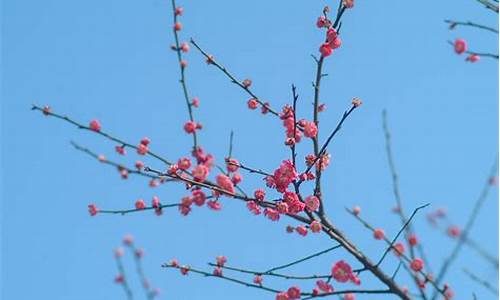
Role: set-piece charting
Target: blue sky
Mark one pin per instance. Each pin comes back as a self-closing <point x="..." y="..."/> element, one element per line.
<point x="111" y="60"/>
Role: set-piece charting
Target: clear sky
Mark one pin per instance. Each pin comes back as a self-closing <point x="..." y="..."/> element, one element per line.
<point x="111" y="60"/>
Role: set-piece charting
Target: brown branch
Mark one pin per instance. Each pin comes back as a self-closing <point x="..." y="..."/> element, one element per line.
<point x="454" y="23"/>
<point x="468" y="226"/>
<point x="183" y="77"/>
<point x="232" y="78"/>
<point x="483" y="282"/>
<point x="102" y="133"/>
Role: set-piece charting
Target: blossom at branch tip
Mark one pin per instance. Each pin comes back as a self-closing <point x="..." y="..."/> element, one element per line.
<point x="119" y="252"/>
<point x="128" y="240"/>
<point x="184" y="163"/>
<point x="221" y="260"/>
<point x="93" y="210"/>
<point x="412" y="240"/>
<point x="348" y="3"/>
<point x="195" y="102"/>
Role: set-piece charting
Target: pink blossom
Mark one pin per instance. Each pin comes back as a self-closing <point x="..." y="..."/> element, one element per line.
<point x="246" y="83"/>
<point x="356" y="210"/>
<point x="282" y="207"/>
<point x="236" y="178"/>
<point x="225" y="183"/>
<point x="177" y="26"/>
<point x="325" y="50"/>
<point x="252" y="104"/>
<point x="142" y="149"/>
<point x="282" y="296"/>
<point x="119" y="278"/>
<point x="284" y="175"/>
<point x="417" y="264"/>
<point x="120" y="150"/>
<point x="221" y="260"/>
<point x="331" y="34"/>
<point x="184" y="163"/>
<point x="399" y="249"/>
<point x="412" y="240"/>
<point x="140" y="204"/>
<point x="324" y="286"/>
<point x="460" y="46"/>
<point x="315" y="226"/>
<point x="184" y="270"/>
<point x="101" y="158"/>
<point x="145" y="141"/>
<point x="336" y="43"/>
<point x="93" y="210"/>
<point x="199" y="197"/>
<point x="155" y="202"/>
<point x="259" y="194"/>
<point x="139" y="165"/>
<point x="473" y="58"/>
<point x="290" y="229"/>
<point x="301" y="229"/>
<point x="189" y="127"/>
<point x="312" y="203"/>
<point x="310" y="130"/>
<point x="128" y="240"/>
<point x="185" y="47"/>
<point x="179" y="11"/>
<point x="378" y="234"/>
<point x="232" y="165"/>
<point x="258" y="280"/>
<point x="341" y="271"/>
<point x="218" y="272"/>
<point x="253" y="207"/>
<point x="195" y="102"/>
<point x="200" y="173"/>
<point x="124" y="173"/>
<point x="293" y="293"/>
<point x="95" y="125"/>
<point x="349" y="296"/>
<point x="454" y="231"/>
<point x="348" y="4"/>
<point x="139" y="252"/>
<point x="272" y="214"/>
<point x="119" y="252"/>
<point x="214" y="205"/>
